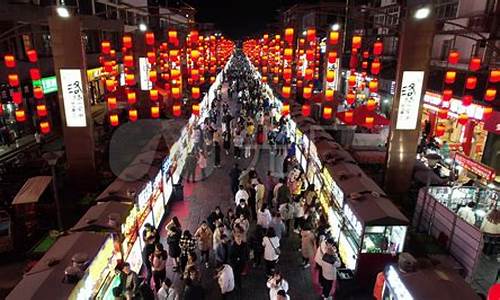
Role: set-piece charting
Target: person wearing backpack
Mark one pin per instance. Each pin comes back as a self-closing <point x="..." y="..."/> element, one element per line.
<point x="271" y="244"/>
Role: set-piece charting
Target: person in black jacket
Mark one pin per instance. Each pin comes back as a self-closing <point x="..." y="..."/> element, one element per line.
<point x="238" y="257"/>
<point x="193" y="290"/>
<point x="174" y="250"/>
<point x="234" y="174"/>
<point x="149" y="249"/>
<point x="214" y="216"/>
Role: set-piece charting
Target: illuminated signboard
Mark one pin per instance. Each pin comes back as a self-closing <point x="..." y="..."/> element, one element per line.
<point x="396" y="285"/>
<point x="48" y="84"/>
<point x="475" y="167"/>
<point x="409" y="100"/>
<point x="144" y="195"/>
<point x="144" y="68"/>
<point x="433" y="102"/>
<point x="72" y="90"/>
<point x="351" y="217"/>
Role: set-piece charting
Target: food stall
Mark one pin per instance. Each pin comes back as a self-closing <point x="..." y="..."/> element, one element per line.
<point x="431" y="283"/>
<point x="88" y="253"/>
<point x="436" y="213"/>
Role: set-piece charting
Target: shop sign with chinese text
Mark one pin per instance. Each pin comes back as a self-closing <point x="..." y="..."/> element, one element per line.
<point x="73" y="99"/>
<point x="409" y="100"/>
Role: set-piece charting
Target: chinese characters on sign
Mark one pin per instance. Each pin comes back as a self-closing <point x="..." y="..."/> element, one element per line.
<point x="144" y="68"/>
<point x="475" y="167"/>
<point x="409" y="100"/>
<point x="72" y="90"/>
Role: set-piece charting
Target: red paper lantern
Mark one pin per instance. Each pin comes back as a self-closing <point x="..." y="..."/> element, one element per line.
<point x="349" y="116"/>
<point x="288" y="54"/>
<point x="176" y="110"/>
<point x="264" y="79"/>
<point x="453" y="57"/>
<point x="494" y="76"/>
<point x="487" y="112"/>
<point x="132" y="115"/>
<point x="105" y="47"/>
<point x="108" y="66"/>
<point x="111" y="102"/>
<point x="17" y="97"/>
<point x="450" y="77"/>
<point x="351" y="80"/>
<point x="471" y="82"/>
<point x="153" y="95"/>
<point x="490" y="94"/>
<point x="35" y="74"/>
<point x="131" y="97"/>
<point x="375" y="69"/>
<point x="329" y="94"/>
<point x="10" y="61"/>
<point x="332" y="56"/>
<point x="366" y="54"/>
<point x="330" y="75"/>
<point x="110" y="85"/>
<point x="309" y="74"/>
<point x="113" y="120"/>
<point x="474" y="63"/>
<point x="311" y="34"/>
<point x="155" y="112"/>
<point x="306" y="110"/>
<point x="195" y="108"/>
<point x="466" y="100"/>
<point x="45" y="127"/>
<point x="327" y="112"/>
<point x="127" y="41"/>
<point x="364" y="64"/>
<point x="289" y="35"/>
<point x="13" y="80"/>
<point x="494" y="292"/>
<point x="172" y="37"/>
<point x="440" y="129"/>
<point x="463" y="118"/>
<point x="32" y="55"/>
<point x="286" y="91"/>
<point x="371" y="104"/>
<point x="443" y="113"/>
<point x="276" y="79"/>
<point x="20" y="115"/>
<point x="195" y="92"/>
<point x="128" y="61"/>
<point x="151" y="57"/>
<point x="378" y="48"/>
<point x="356" y="42"/>
<point x="176" y="92"/>
<point x="447" y="94"/>
<point x="193" y="36"/>
<point x="153" y="76"/>
<point x="373" y="86"/>
<point x="307" y="92"/>
<point x="350" y="98"/>
<point x="333" y="38"/>
<point x="310" y="54"/>
<point x="369" y="122"/>
<point x="285" y="109"/>
<point x="38" y="92"/>
<point x="41" y="110"/>
<point x="130" y="79"/>
<point x="150" y="38"/>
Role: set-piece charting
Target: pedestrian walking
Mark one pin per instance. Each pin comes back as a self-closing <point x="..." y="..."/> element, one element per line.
<point x="158" y="264"/>
<point x="131" y="282"/>
<point x="256" y="247"/>
<point x="238" y="145"/>
<point x="238" y="257"/>
<point x="204" y="235"/>
<point x="329" y="264"/>
<point x="308" y="245"/>
<point x="275" y="284"/>
<point x="222" y="250"/>
<point x="277" y="224"/>
<point x="226" y="141"/>
<point x="241" y="194"/>
<point x="264" y="217"/>
<point x="191" y="162"/>
<point x="234" y="175"/>
<point x="167" y="291"/>
<point x="202" y="164"/>
<point x="217" y="154"/>
<point x="187" y="245"/>
<point x="271" y="244"/>
<point x="225" y="279"/>
<point x="147" y="252"/>
<point x="215" y="215"/>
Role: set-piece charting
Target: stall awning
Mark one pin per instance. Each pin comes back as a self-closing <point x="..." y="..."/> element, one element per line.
<point x="45" y="279"/>
<point x="373" y="210"/>
<point x="121" y="190"/>
<point x="32" y="189"/>
<point x="98" y="216"/>
<point x="351" y="179"/>
<point x="331" y="151"/>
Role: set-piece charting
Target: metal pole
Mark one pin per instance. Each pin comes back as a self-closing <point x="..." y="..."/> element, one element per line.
<point x="56" y="198"/>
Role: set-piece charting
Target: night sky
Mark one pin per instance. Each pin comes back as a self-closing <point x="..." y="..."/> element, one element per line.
<point x="240" y="18"/>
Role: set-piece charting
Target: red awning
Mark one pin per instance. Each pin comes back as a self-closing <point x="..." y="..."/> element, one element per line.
<point x="359" y="115"/>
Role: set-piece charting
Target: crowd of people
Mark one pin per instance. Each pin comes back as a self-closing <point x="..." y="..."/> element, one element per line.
<point x="268" y="208"/>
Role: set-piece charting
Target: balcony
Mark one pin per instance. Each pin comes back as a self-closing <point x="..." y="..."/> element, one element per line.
<point x="477" y="23"/>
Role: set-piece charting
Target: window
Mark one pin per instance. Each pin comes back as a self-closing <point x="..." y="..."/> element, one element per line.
<point x="446" y="9"/>
<point x="392" y="16"/>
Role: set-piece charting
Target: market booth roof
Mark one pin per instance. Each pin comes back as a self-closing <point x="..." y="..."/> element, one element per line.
<point x="32" y="189"/>
<point x="373" y="209"/>
<point x="351" y="179"/>
<point x="121" y="190"/>
<point x="45" y="279"/>
<point x="101" y="216"/>
<point x="437" y="283"/>
<point x="329" y="151"/>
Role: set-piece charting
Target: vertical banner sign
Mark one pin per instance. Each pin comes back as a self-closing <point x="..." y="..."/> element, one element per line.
<point x="411" y="91"/>
<point x="72" y="90"/>
<point x="144" y="68"/>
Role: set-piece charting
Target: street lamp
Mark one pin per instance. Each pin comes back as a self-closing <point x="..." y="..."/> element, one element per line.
<point x="51" y="159"/>
<point x="336" y="27"/>
<point x="62" y="12"/>
<point x="143" y="27"/>
<point x="422" y="13"/>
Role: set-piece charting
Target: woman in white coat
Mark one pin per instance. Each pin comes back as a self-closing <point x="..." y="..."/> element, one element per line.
<point x="225" y="278"/>
<point x="275" y="284"/>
